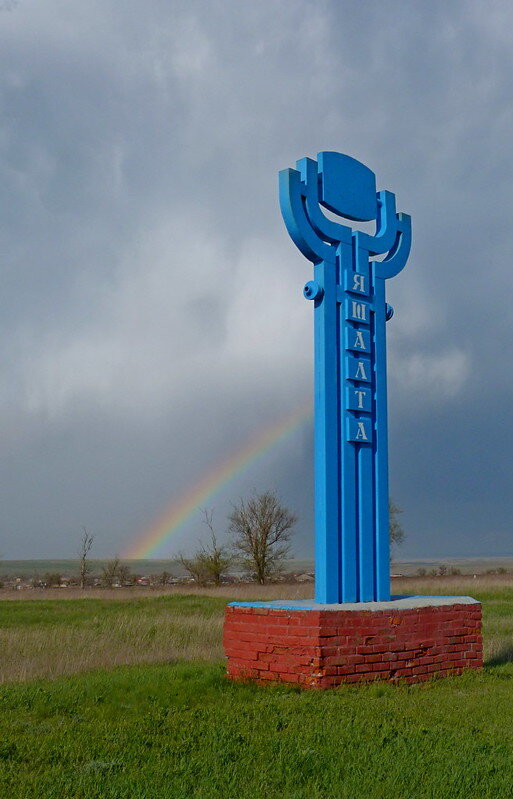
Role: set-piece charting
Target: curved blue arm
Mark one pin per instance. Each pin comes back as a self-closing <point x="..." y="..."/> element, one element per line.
<point x="398" y="255"/>
<point x="317" y="237"/>
<point x="384" y="239"/>
<point x="327" y="229"/>
<point x="296" y="221"/>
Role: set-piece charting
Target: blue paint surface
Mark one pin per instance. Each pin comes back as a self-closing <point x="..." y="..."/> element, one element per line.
<point x="350" y="312"/>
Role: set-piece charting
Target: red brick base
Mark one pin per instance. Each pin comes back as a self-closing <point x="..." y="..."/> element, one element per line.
<point x="322" y="648"/>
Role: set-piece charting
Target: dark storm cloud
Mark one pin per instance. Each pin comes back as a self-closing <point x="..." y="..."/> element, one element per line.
<point x="151" y="316"/>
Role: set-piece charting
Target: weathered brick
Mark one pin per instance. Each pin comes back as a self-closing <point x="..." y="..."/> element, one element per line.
<point x="319" y="649"/>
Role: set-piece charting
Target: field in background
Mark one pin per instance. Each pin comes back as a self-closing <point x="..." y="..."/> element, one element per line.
<point x="464" y="565"/>
<point x="162" y="727"/>
<point x="439" y="585"/>
<point x="69" y="567"/>
<point x="50" y="632"/>
<point x="38" y="568"/>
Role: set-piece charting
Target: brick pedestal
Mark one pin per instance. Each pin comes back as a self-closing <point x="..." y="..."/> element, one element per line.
<point x="322" y="646"/>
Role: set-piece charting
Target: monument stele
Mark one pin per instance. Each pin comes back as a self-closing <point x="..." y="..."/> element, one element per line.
<point x="353" y="631"/>
<point x="352" y="552"/>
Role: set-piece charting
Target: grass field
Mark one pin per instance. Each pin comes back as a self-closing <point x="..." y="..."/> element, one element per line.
<point x="177" y="728"/>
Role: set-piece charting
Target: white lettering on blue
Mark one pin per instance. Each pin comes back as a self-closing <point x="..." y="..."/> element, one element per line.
<point x="360" y="394"/>
<point x="359" y="283"/>
<point x="359" y="342"/>
<point x="360" y="372"/>
<point x="361" y="434"/>
<point x="359" y="310"/>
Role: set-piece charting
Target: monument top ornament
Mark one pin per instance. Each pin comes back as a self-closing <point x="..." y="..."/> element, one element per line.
<point x="350" y="312"/>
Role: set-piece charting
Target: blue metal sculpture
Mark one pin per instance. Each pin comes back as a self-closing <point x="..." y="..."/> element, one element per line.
<point x="348" y="291"/>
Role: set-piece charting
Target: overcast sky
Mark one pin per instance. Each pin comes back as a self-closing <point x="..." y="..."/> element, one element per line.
<point x="152" y="317"/>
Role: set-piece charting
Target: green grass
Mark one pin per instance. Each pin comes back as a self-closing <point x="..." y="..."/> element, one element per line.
<point x="179" y="729"/>
<point x="183" y="730"/>
<point x="63" y="613"/>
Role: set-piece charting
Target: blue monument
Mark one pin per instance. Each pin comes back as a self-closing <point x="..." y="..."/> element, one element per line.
<point x="350" y="312"/>
<point x="362" y="634"/>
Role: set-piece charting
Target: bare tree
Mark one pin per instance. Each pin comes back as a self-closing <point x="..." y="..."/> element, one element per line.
<point x="210" y="563"/>
<point x="86" y="543"/>
<point x="116" y="571"/>
<point x="194" y="566"/>
<point x="396" y="530"/>
<point x="110" y="571"/>
<point x="261" y="528"/>
<point x="216" y="559"/>
<point x="163" y="578"/>
<point x="124" y="574"/>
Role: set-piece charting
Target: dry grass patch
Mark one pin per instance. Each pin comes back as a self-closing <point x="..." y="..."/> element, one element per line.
<point x="452" y="585"/>
<point x="31" y="653"/>
<point x="150" y="632"/>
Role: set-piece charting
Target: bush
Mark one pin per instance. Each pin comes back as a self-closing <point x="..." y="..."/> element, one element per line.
<point x="52" y="579"/>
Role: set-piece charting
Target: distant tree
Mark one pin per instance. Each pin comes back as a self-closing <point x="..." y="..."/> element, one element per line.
<point x="211" y="562"/>
<point x="194" y="567"/>
<point x="216" y="559"/>
<point x="116" y="571"/>
<point x="86" y="543"/>
<point x="124" y="574"/>
<point x="395" y="528"/>
<point x="110" y="572"/>
<point x="261" y="529"/>
<point x="52" y="579"/>
<point x="163" y="578"/>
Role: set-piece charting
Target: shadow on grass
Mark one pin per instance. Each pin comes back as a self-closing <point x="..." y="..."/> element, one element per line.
<point x="505" y="655"/>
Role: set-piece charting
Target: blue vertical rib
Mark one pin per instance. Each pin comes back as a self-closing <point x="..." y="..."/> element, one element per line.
<point x="366" y="524"/>
<point x="349" y="577"/>
<point x="382" y="533"/>
<point x="364" y="500"/>
<point x="327" y="436"/>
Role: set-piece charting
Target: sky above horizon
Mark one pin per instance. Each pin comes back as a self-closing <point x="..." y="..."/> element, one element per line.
<point x="152" y="321"/>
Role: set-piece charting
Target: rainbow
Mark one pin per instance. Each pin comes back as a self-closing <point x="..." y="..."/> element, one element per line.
<point x="178" y="513"/>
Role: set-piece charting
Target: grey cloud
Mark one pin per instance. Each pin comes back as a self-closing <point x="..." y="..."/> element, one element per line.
<point x="151" y="317"/>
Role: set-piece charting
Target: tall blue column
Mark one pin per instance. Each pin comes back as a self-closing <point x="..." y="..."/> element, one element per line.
<point x="350" y="312"/>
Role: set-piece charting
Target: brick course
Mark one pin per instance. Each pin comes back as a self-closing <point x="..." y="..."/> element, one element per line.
<point x="324" y="648"/>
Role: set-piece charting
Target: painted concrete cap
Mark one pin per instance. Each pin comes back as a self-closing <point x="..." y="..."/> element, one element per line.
<point x="396" y="603"/>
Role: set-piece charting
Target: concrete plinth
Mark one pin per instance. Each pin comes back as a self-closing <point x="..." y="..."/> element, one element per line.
<point x="410" y="638"/>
